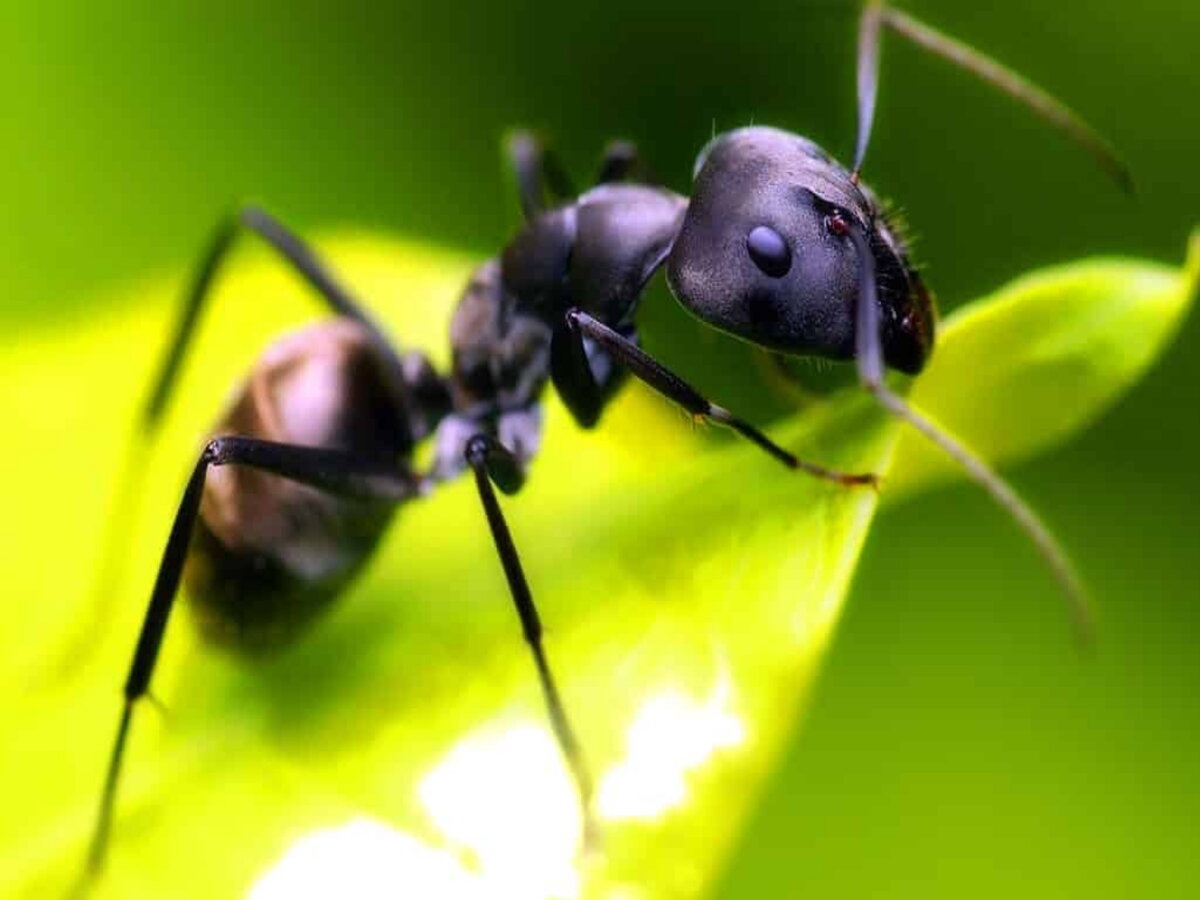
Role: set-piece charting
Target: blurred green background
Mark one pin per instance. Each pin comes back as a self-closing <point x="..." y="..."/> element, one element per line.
<point x="957" y="746"/>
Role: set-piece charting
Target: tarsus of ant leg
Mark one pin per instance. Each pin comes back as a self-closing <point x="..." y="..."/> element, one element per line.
<point x="870" y="360"/>
<point x="104" y="816"/>
<point x="482" y="450"/>
<point x="149" y="642"/>
<point x="1004" y="79"/>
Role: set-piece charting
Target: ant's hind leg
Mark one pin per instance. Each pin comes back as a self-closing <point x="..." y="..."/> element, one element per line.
<point x="298" y="254"/>
<point x="110" y="567"/>
<point x="331" y="470"/>
<point x="671" y="386"/>
<point x="493" y="463"/>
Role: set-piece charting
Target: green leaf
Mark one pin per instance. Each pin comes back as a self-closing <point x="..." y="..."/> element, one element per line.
<point x="1020" y="371"/>
<point x="689" y="587"/>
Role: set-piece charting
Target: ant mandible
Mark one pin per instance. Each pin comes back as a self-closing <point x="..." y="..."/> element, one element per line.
<point x="779" y="245"/>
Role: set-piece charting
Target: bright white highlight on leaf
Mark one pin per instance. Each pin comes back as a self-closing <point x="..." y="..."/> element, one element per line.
<point x="671" y="735"/>
<point x="509" y="801"/>
<point x="365" y="860"/>
<point x="507" y="809"/>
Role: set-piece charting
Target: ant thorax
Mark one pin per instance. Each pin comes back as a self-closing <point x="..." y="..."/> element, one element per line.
<point x="594" y="254"/>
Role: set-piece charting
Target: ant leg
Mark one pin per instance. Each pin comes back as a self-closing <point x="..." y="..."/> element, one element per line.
<point x="492" y="462"/>
<point x="877" y="14"/>
<point x="671" y="386"/>
<point x="622" y="162"/>
<point x="538" y="171"/>
<point x="331" y="470"/>
<point x="585" y="377"/>
<point x="869" y="360"/>
<point x="127" y="491"/>
<point x="295" y="252"/>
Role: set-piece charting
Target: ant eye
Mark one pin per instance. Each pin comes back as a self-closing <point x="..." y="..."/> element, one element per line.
<point x="836" y="224"/>
<point x="769" y="251"/>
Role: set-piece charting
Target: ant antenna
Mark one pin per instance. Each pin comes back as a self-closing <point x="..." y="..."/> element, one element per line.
<point x="869" y="358"/>
<point x="877" y="14"/>
<point x="868" y="81"/>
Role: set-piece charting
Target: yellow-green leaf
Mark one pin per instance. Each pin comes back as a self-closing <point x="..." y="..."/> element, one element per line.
<point x="1019" y="371"/>
<point x="689" y="588"/>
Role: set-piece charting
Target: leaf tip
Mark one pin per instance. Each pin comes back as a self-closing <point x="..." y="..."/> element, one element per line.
<point x="1191" y="267"/>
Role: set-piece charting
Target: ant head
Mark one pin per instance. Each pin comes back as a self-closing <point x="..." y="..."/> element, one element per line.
<point x="765" y="253"/>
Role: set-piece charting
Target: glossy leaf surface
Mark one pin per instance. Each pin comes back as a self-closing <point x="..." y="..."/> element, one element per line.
<point x="689" y="587"/>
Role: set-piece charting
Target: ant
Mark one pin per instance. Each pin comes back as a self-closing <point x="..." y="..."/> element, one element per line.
<point x="779" y="245"/>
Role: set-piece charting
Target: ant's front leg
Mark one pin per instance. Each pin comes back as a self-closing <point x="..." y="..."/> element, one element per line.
<point x="584" y="374"/>
<point x="335" y="471"/>
<point x="671" y="386"/>
<point x="492" y="463"/>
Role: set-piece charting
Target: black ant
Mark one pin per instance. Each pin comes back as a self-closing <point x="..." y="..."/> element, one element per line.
<point x="779" y="245"/>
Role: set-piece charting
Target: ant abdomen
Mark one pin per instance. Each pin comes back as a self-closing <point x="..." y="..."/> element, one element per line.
<point x="269" y="554"/>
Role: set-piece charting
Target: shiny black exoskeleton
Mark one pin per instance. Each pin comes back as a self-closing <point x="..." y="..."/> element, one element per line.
<point x="762" y="251"/>
<point x="778" y="245"/>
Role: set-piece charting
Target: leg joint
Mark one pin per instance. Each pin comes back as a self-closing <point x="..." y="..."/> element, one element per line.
<point x="477" y="450"/>
<point x="218" y="451"/>
<point x="252" y="215"/>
